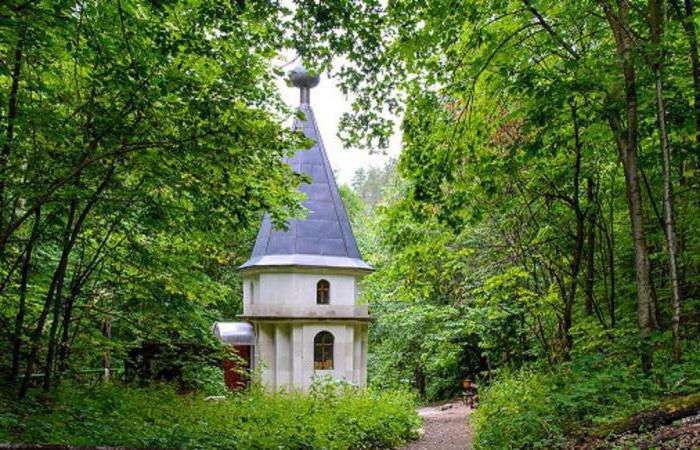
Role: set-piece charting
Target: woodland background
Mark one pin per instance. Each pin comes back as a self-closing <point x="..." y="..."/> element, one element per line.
<point x="539" y="231"/>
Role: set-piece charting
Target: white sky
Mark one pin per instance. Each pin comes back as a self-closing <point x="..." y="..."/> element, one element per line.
<point x="329" y="103"/>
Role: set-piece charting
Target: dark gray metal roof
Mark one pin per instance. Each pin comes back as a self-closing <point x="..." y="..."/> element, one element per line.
<point x="324" y="238"/>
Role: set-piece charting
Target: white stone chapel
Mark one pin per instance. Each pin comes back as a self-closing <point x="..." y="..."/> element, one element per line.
<point x="301" y="285"/>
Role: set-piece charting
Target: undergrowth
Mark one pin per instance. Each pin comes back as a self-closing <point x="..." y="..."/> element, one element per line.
<point x="331" y="416"/>
<point x="538" y="407"/>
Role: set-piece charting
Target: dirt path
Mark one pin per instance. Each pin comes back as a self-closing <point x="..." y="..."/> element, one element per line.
<point x="445" y="427"/>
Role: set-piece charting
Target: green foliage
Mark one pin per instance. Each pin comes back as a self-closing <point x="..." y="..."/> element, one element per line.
<point x="207" y="379"/>
<point x="505" y="239"/>
<point x="373" y="183"/>
<point x="142" y="142"/>
<point x="421" y="342"/>
<point x="536" y="408"/>
<point x="333" y="417"/>
<point x="516" y="411"/>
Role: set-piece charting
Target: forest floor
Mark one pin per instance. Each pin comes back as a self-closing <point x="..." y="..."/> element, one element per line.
<point x="445" y="427"/>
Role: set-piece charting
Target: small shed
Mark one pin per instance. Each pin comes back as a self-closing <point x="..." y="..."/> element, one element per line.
<point x="240" y="337"/>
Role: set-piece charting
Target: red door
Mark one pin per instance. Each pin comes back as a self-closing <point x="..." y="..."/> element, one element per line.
<point x="237" y="371"/>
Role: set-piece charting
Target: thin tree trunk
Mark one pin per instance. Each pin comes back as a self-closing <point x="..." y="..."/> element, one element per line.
<point x="10" y="271"/>
<point x="606" y="249"/>
<point x="58" y="302"/>
<point x="65" y="329"/>
<point x="613" y="284"/>
<point x="652" y="201"/>
<point x="656" y="26"/>
<point x="626" y="140"/>
<point x="590" y="255"/>
<point x="36" y="336"/>
<point x="72" y="231"/>
<point x="575" y="266"/>
<point x="107" y="334"/>
<point x="21" y="307"/>
<point x="610" y="237"/>
<point x="420" y="381"/>
<point x="11" y="119"/>
<point x="63" y="265"/>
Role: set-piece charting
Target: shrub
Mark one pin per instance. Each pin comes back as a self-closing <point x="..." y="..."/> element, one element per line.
<point x="206" y="379"/>
<point x="517" y="411"/>
<point x="536" y="408"/>
<point x="335" y="417"/>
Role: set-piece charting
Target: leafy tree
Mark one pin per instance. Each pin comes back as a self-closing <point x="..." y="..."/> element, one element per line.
<point x="544" y="137"/>
<point x="141" y="141"/>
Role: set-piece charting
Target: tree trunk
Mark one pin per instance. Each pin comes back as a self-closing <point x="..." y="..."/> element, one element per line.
<point x="420" y="381"/>
<point x="21" y="307"/>
<point x="610" y="238"/>
<point x="656" y="26"/>
<point x="575" y="266"/>
<point x="590" y="251"/>
<point x="107" y="334"/>
<point x="58" y="302"/>
<point x="11" y="118"/>
<point x="61" y="274"/>
<point x="613" y="281"/>
<point x="80" y="277"/>
<point x="36" y="336"/>
<point x="62" y="359"/>
<point x="626" y="140"/>
<point x="666" y="412"/>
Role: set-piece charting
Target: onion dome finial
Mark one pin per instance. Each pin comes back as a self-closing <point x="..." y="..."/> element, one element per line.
<point x="302" y="79"/>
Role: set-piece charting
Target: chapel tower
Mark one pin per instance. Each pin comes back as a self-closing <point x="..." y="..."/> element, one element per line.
<point x="301" y="285"/>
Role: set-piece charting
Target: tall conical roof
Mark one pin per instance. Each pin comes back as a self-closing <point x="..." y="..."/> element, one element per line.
<point x="324" y="238"/>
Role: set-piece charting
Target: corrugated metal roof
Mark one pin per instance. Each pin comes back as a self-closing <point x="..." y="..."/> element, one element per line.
<point x="324" y="238"/>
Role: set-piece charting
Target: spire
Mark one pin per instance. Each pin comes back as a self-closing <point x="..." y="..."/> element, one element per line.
<point x="324" y="237"/>
<point x="301" y="78"/>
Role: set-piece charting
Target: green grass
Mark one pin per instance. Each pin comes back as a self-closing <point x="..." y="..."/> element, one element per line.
<point x="333" y="417"/>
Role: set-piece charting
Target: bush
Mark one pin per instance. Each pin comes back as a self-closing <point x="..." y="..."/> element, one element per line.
<point x="536" y="408"/>
<point x="206" y="379"/>
<point x="517" y="411"/>
<point x="336" y="417"/>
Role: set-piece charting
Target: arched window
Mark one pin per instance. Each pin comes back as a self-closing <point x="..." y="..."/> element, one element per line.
<point x="323" y="351"/>
<point x="323" y="292"/>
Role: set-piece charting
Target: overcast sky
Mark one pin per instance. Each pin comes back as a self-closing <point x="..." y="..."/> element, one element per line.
<point x="329" y="103"/>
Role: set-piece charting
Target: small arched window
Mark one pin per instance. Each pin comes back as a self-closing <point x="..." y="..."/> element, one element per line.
<point x="323" y="292"/>
<point x="323" y="351"/>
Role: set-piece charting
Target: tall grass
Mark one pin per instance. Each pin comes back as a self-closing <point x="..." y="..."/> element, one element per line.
<point x="331" y="416"/>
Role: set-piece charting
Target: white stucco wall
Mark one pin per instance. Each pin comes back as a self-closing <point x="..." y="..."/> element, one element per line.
<point x="293" y="294"/>
<point x="286" y="352"/>
<point x="281" y="303"/>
